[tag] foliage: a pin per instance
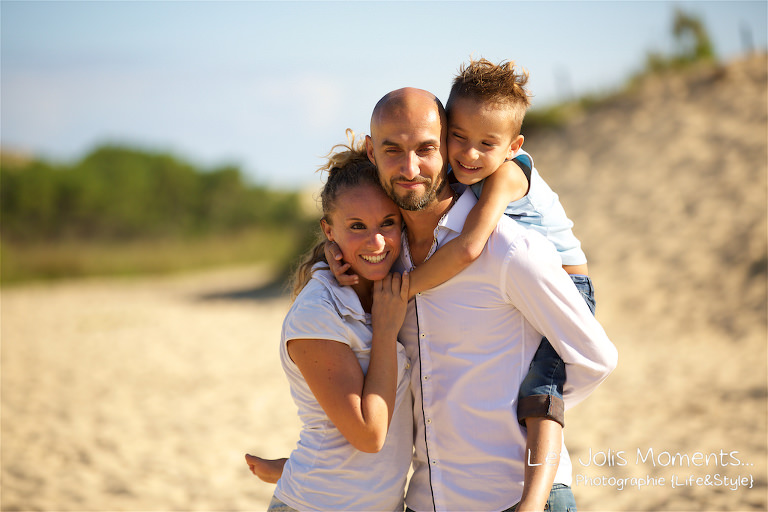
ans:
(125, 211)
(693, 45)
(116, 193)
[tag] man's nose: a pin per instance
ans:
(411, 168)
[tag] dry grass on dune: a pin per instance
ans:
(667, 189)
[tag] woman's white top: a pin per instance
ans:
(325, 472)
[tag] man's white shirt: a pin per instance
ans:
(470, 342)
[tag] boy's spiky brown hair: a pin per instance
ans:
(499, 84)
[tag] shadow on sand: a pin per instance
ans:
(276, 288)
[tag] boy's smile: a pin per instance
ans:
(479, 139)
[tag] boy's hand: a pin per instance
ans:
(335, 260)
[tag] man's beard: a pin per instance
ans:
(411, 201)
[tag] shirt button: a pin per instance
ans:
(423, 335)
(407, 366)
(434, 462)
(426, 377)
(429, 421)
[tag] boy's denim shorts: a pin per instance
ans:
(541, 392)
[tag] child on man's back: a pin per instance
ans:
(485, 110)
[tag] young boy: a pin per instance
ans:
(486, 107)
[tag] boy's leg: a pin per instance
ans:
(542, 447)
(542, 411)
(268, 470)
(587, 291)
(541, 392)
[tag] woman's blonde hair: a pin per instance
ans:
(347, 166)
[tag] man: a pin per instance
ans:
(470, 340)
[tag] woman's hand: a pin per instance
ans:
(390, 301)
(336, 262)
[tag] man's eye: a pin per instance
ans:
(427, 150)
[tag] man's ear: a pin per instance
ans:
(327, 230)
(516, 144)
(369, 149)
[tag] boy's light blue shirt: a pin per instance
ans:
(541, 210)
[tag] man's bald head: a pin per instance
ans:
(407, 145)
(407, 102)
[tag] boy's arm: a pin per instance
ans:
(508, 183)
(337, 265)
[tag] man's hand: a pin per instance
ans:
(335, 260)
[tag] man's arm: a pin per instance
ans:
(536, 284)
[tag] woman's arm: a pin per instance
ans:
(508, 183)
(359, 405)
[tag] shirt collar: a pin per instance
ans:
(455, 218)
(452, 220)
(344, 298)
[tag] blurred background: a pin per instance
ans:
(157, 185)
(186, 121)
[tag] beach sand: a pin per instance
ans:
(144, 394)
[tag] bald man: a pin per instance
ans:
(470, 340)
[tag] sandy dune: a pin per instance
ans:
(144, 394)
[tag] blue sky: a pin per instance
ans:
(271, 86)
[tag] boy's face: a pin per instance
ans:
(479, 139)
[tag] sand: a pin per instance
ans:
(144, 394)
(141, 395)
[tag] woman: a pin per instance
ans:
(347, 372)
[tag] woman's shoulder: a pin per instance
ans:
(317, 294)
(323, 301)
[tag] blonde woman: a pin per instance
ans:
(348, 374)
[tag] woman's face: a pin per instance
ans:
(366, 225)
